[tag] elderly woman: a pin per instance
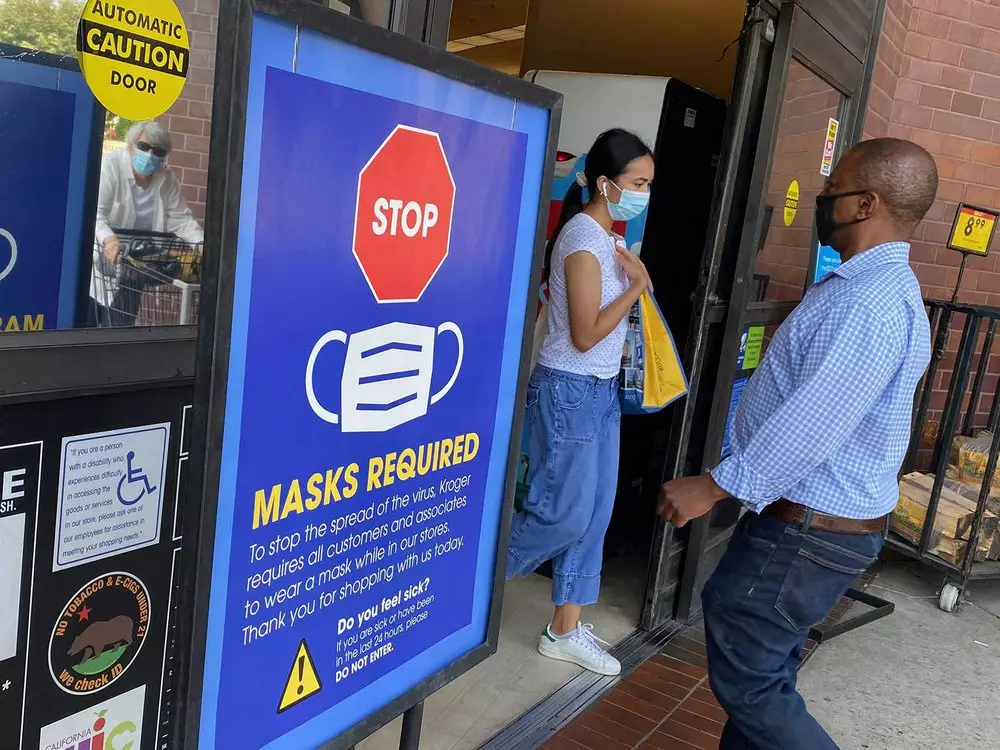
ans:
(137, 192)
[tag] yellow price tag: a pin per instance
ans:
(134, 55)
(973, 229)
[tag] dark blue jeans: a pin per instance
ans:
(773, 584)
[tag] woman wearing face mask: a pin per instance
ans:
(137, 192)
(572, 406)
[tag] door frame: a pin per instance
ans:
(801, 37)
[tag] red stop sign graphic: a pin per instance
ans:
(402, 225)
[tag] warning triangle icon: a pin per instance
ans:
(303, 680)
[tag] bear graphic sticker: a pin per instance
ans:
(99, 633)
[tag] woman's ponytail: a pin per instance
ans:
(572, 205)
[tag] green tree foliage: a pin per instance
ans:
(45, 25)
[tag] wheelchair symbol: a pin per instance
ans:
(134, 476)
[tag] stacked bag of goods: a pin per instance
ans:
(953, 521)
(967, 464)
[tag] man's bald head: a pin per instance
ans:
(902, 173)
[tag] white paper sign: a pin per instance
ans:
(112, 723)
(111, 487)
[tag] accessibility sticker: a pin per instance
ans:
(303, 680)
(134, 55)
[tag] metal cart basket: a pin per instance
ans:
(948, 515)
(155, 281)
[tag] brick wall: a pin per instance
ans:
(937, 82)
(190, 119)
(808, 105)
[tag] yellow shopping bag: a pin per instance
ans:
(652, 376)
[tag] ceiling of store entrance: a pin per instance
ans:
(679, 38)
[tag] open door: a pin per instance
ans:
(799, 102)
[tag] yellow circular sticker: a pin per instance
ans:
(134, 55)
(791, 202)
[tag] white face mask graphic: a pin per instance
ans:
(6, 268)
(387, 375)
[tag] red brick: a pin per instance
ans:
(918, 46)
(970, 34)
(967, 104)
(913, 115)
(625, 717)
(591, 739)
(676, 730)
(956, 78)
(626, 698)
(199, 22)
(698, 673)
(987, 153)
(653, 698)
(960, 9)
(608, 728)
(988, 16)
(988, 282)
(945, 52)
(981, 130)
(663, 742)
(974, 173)
(935, 96)
(981, 196)
(948, 122)
(561, 743)
(978, 60)
(991, 40)
(952, 145)
(908, 91)
(930, 24)
(696, 721)
(986, 85)
(187, 125)
(922, 70)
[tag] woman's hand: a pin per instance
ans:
(637, 274)
(112, 249)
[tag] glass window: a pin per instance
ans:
(373, 11)
(782, 264)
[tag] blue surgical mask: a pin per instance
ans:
(631, 204)
(145, 163)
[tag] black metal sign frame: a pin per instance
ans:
(213, 350)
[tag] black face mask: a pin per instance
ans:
(825, 223)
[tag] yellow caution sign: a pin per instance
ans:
(134, 55)
(791, 202)
(303, 680)
(973, 229)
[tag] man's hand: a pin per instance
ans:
(687, 498)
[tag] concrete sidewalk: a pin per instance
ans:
(920, 678)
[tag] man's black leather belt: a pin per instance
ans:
(789, 512)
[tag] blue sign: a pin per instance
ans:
(739, 385)
(47, 126)
(387, 226)
(827, 260)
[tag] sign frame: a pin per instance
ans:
(75, 262)
(955, 223)
(233, 66)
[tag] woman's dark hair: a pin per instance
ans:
(610, 155)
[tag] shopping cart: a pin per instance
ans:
(154, 282)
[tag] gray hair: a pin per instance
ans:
(152, 133)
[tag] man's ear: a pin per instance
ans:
(868, 204)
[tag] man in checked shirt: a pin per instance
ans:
(818, 440)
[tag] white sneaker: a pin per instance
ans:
(582, 648)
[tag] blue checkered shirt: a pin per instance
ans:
(825, 420)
